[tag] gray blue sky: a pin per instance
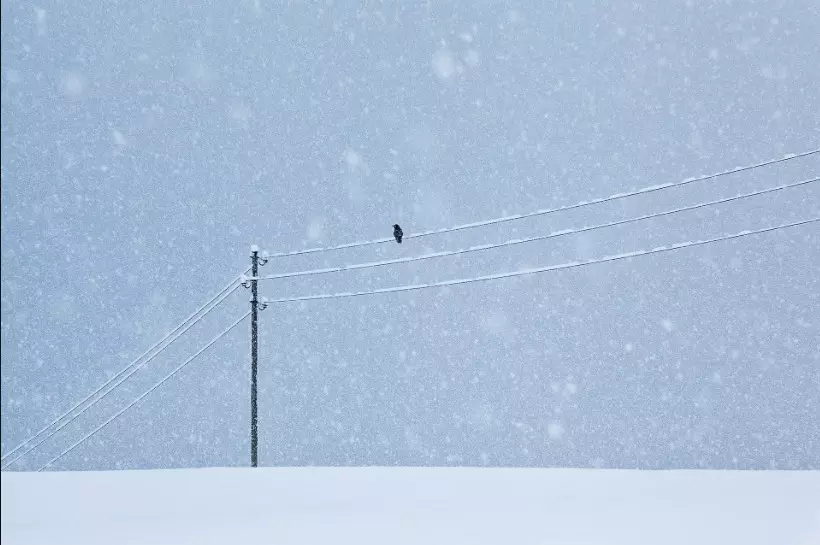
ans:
(146, 145)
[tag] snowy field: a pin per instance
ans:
(411, 505)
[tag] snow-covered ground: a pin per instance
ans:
(412, 505)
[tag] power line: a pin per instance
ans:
(544, 212)
(563, 232)
(524, 272)
(151, 389)
(133, 371)
(125, 369)
(126, 372)
(493, 221)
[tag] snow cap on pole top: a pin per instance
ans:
(254, 249)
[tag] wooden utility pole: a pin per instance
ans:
(255, 307)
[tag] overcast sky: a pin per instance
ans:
(147, 145)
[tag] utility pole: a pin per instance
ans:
(255, 308)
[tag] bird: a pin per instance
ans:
(397, 232)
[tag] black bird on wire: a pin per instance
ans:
(397, 232)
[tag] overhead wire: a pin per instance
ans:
(563, 232)
(146, 393)
(175, 333)
(550, 268)
(127, 372)
(546, 211)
